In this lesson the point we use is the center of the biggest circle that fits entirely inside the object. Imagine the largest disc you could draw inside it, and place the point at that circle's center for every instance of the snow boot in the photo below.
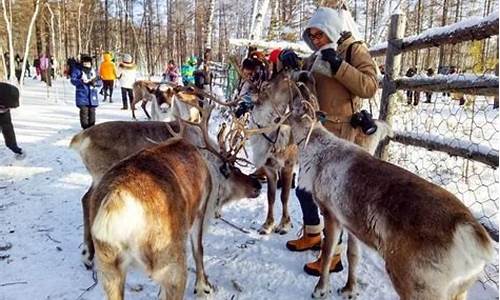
(308, 241)
(314, 268)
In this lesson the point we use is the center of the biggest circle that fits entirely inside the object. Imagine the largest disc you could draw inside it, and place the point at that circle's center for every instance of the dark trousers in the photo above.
(310, 212)
(87, 116)
(107, 88)
(130, 93)
(428, 96)
(8, 132)
(412, 94)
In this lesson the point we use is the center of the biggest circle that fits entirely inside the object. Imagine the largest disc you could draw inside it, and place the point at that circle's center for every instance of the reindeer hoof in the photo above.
(347, 293)
(283, 228)
(203, 288)
(87, 261)
(266, 229)
(319, 295)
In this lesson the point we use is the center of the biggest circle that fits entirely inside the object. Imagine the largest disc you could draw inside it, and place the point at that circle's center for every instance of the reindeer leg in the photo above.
(348, 291)
(268, 226)
(286, 184)
(111, 270)
(88, 245)
(132, 108)
(332, 232)
(143, 105)
(172, 275)
(202, 285)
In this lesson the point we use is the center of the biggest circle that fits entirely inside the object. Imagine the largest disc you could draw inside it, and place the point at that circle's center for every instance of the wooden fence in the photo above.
(487, 85)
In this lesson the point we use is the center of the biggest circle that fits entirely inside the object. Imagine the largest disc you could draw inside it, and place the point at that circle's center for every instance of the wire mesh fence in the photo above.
(460, 120)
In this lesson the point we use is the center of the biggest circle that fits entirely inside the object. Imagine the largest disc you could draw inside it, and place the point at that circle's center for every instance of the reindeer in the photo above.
(146, 206)
(146, 91)
(432, 245)
(275, 155)
(105, 144)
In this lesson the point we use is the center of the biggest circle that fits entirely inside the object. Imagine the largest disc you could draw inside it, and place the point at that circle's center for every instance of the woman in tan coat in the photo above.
(344, 72)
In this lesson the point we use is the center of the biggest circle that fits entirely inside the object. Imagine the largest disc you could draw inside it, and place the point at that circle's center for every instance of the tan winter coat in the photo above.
(355, 81)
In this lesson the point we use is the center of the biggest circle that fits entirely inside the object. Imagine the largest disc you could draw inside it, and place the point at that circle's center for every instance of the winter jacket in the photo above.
(85, 94)
(127, 74)
(107, 70)
(172, 73)
(44, 63)
(187, 71)
(353, 80)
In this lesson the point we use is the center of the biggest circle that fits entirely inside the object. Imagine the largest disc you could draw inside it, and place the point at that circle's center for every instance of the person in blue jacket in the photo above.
(84, 78)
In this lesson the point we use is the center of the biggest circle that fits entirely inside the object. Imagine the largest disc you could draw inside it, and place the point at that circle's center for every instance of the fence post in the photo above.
(392, 69)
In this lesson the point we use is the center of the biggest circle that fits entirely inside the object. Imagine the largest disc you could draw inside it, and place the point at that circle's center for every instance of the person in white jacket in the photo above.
(127, 74)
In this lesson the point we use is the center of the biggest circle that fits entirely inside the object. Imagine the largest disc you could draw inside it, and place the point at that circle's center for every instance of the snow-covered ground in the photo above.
(40, 216)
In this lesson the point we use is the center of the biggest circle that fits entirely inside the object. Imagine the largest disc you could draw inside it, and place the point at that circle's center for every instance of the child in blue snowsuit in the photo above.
(84, 78)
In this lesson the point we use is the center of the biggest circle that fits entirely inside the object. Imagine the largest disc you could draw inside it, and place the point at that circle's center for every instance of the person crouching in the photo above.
(84, 78)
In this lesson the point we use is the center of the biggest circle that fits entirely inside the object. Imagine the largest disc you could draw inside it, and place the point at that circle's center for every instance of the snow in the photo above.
(452, 142)
(40, 215)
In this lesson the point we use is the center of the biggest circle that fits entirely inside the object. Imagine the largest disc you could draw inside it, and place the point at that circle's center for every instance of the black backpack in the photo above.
(9, 95)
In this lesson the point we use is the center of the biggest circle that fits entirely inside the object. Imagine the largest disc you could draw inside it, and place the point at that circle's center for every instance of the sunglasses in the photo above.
(316, 36)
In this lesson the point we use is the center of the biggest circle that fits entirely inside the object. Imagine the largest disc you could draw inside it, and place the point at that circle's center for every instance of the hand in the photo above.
(333, 58)
(289, 59)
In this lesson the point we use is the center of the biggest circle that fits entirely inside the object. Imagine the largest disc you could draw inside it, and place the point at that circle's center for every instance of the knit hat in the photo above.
(127, 58)
(273, 56)
(85, 58)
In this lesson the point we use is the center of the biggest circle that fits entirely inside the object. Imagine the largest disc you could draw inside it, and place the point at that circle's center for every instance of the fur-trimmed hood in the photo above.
(332, 22)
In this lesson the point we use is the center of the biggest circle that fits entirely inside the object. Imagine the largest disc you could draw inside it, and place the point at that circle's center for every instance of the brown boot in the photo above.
(314, 268)
(306, 242)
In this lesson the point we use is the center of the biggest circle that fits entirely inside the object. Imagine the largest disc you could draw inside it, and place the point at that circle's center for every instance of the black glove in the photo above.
(289, 59)
(333, 58)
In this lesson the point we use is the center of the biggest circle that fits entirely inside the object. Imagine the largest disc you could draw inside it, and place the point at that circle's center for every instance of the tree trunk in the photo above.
(8, 25)
(419, 26)
(258, 22)
(28, 39)
(106, 26)
(443, 23)
(208, 24)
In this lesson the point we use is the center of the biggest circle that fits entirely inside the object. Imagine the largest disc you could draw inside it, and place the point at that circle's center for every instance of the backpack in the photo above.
(9, 95)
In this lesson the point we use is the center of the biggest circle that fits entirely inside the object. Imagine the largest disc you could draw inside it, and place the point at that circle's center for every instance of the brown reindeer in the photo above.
(105, 144)
(146, 206)
(432, 245)
(146, 91)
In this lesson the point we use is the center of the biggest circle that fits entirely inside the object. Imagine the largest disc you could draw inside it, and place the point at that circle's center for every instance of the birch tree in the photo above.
(8, 25)
(28, 39)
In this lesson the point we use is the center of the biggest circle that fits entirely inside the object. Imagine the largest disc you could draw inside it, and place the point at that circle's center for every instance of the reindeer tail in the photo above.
(76, 141)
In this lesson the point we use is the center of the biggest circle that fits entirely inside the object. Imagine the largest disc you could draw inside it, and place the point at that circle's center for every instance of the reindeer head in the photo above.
(163, 93)
(288, 91)
(233, 184)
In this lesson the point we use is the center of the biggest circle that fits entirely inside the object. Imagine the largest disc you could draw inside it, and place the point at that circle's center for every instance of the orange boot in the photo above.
(314, 268)
(310, 239)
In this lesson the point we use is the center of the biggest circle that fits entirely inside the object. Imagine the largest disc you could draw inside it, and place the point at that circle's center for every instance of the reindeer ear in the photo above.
(151, 89)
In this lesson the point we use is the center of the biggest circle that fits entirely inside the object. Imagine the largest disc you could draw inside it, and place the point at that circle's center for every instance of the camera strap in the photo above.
(348, 58)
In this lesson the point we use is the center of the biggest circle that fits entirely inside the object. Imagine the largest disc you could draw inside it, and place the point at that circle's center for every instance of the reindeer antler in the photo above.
(199, 92)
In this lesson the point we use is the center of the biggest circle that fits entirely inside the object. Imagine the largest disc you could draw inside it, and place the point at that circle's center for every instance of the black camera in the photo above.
(243, 107)
(364, 120)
